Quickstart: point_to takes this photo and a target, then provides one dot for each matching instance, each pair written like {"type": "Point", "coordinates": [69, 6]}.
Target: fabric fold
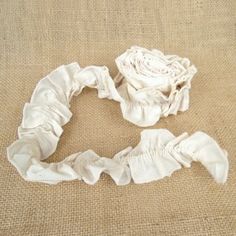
{"type": "Point", "coordinates": [201, 147]}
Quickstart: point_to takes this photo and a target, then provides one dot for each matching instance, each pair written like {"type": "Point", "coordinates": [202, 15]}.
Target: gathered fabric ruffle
{"type": "Point", "coordinates": [152, 85]}
{"type": "Point", "coordinates": [158, 154]}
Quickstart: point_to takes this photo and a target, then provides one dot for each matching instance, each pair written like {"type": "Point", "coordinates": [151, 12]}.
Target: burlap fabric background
{"type": "Point", "coordinates": [37, 36]}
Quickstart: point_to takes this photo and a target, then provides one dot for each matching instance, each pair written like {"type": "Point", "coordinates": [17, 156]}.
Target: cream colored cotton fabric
{"type": "Point", "coordinates": [158, 154]}
{"type": "Point", "coordinates": [37, 36]}
{"type": "Point", "coordinates": [153, 84]}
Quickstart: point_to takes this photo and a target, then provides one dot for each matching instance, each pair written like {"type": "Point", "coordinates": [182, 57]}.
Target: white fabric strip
{"type": "Point", "coordinates": [158, 154]}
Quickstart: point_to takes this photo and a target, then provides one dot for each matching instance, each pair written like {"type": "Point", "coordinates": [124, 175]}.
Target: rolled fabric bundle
{"type": "Point", "coordinates": [152, 84]}
{"type": "Point", "coordinates": [158, 154]}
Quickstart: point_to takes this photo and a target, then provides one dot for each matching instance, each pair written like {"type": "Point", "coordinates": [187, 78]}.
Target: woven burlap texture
{"type": "Point", "coordinates": [38, 36]}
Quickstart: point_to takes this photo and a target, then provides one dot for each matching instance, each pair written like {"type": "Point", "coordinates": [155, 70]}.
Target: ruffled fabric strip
{"type": "Point", "coordinates": [152, 85]}
{"type": "Point", "coordinates": [158, 154]}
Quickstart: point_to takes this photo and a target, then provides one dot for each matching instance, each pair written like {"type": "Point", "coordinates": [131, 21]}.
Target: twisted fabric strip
{"type": "Point", "coordinates": [158, 154]}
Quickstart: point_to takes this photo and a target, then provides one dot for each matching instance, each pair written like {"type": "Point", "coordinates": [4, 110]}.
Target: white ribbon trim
{"type": "Point", "coordinates": [152, 84]}
{"type": "Point", "coordinates": [158, 154]}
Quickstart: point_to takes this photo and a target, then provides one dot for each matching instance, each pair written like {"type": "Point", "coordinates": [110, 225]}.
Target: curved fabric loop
{"type": "Point", "coordinates": [158, 154]}
{"type": "Point", "coordinates": [152, 84]}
